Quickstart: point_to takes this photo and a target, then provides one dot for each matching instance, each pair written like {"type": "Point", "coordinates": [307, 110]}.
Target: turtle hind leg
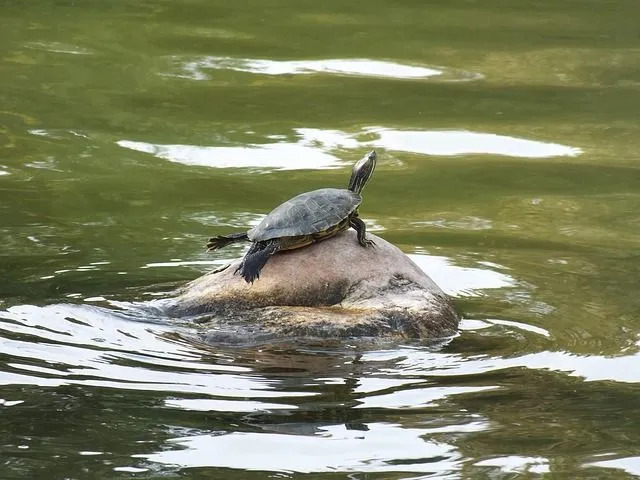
{"type": "Point", "coordinates": [223, 240]}
{"type": "Point", "coordinates": [358, 225]}
{"type": "Point", "coordinates": [256, 258]}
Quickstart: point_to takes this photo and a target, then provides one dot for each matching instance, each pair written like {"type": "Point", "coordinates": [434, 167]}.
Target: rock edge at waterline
{"type": "Point", "coordinates": [331, 289]}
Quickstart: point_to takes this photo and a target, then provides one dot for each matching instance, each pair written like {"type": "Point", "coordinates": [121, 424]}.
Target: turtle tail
{"type": "Point", "coordinates": [224, 240]}
{"type": "Point", "coordinates": [256, 258]}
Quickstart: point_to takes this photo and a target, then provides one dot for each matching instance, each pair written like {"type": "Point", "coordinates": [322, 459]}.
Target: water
{"type": "Point", "coordinates": [508, 145]}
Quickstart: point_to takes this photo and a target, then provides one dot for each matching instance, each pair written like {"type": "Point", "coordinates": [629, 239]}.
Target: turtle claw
{"type": "Point", "coordinates": [222, 268]}
{"type": "Point", "coordinates": [365, 242]}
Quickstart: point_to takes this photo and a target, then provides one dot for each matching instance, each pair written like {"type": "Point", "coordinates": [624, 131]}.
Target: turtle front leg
{"type": "Point", "coordinates": [358, 225]}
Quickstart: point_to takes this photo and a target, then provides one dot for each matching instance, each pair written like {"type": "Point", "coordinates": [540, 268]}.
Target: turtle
{"type": "Point", "coordinates": [306, 218]}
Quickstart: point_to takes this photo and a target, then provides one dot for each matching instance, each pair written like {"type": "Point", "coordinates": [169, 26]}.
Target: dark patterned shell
{"type": "Point", "coordinates": [308, 213]}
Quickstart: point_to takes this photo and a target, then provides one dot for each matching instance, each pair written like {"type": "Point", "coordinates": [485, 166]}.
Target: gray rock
{"type": "Point", "coordinates": [331, 289]}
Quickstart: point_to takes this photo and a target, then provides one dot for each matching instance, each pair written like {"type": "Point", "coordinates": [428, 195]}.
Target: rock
{"type": "Point", "coordinates": [334, 288]}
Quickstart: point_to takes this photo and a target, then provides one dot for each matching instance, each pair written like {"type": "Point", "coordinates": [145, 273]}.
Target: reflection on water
{"type": "Point", "coordinates": [87, 345]}
{"type": "Point", "coordinates": [374, 447]}
{"type": "Point", "coordinates": [590, 368]}
{"type": "Point", "coordinates": [57, 47]}
{"type": "Point", "coordinates": [489, 322]}
{"type": "Point", "coordinates": [517, 464]}
{"type": "Point", "coordinates": [631, 465]}
{"type": "Point", "coordinates": [284, 156]}
{"type": "Point", "coordinates": [460, 281]}
{"type": "Point", "coordinates": [184, 263]}
{"type": "Point", "coordinates": [311, 150]}
{"type": "Point", "coordinates": [462, 142]}
{"type": "Point", "coordinates": [464, 223]}
{"type": "Point", "coordinates": [357, 66]}
{"type": "Point", "coordinates": [235, 220]}
{"type": "Point", "coordinates": [210, 405]}
{"type": "Point", "coordinates": [269, 392]}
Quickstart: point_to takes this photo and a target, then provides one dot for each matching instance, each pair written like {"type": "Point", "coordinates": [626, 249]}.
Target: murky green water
{"type": "Point", "coordinates": [508, 140]}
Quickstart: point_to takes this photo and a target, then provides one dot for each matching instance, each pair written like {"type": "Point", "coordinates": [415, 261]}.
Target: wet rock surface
{"type": "Point", "coordinates": [332, 289]}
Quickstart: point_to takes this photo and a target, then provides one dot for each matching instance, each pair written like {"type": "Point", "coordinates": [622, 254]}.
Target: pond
{"type": "Point", "coordinates": [507, 136]}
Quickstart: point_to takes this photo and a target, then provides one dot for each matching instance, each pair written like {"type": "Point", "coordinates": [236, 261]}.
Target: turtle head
{"type": "Point", "coordinates": [362, 172]}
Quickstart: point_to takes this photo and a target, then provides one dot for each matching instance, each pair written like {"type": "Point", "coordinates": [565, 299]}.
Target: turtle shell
{"type": "Point", "coordinates": [307, 213]}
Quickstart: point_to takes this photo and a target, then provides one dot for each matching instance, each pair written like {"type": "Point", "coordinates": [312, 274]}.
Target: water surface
{"type": "Point", "coordinates": [508, 145]}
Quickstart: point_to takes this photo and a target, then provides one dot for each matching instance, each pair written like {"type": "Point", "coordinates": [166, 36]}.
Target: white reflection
{"type": "Point", "coordinates": [517, 464]}
{"type": "Point", "coordinates": [520, 325]}
{"type": "Point", "coordinates": [464, 223]}
{"type": "Point", "coordinates": [284, 156]}
{"type": "Point", "coordinates": [475, 324]}
{"type": "Point", "coordinates": [3, 172]}
{"type": "Point", "coordinates": [357, 66]}
{"type": "Point", "coordinates": [235, 220]}
{"type": "Point", "coordinates": [416, 397]}
{"type": "Point", "coordinates": [312, 148]}
{"type": "Point", "coordinates": [434, 142]}
{"type": "Point", "coordinates": [49, 163]}
{"type": "Point", "coordinates": [367, 385]}
{"type": "Point", "coordinates": [460, 142]}
{"type": "Point", "coordinates": [57, 134]}
{"type": "Point", "coordinates": [631, 465]}
{"type": "Point", "coordinates": [382, 448]}
{"type": "Point", "coordinates": [211, 405]}
{"type": "Point", "coordinates": [327, 139]}
{"type": "Point", "coordinates": [184, 263]}
{"type": "Point", "coordinates": [133, 470]}
{"type": "Point", "coordinates": [460, 281]}
{"type": "Point", "coordinates": [57, 47]}
{"type": "Point", "coordinates": [591, 368]}
{"type": "Point", "coordinates": [373, 226]}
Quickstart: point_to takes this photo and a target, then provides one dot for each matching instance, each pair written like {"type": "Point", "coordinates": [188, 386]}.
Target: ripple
{"type": "Point", "coordinates": [49, 163]}
{"type": "Point", "coordinates": [460, 281]}
{"type": "Point", "coordinates": [196, 69]}
{"type": "Point", "coordinates": [477, 324]}
{"type": "Point", "coordinates": [92, 346]}
{"type": "Point", "coordinates": [221, 219]}
{"type": "Point", "coordinates": [417, 397]}
{"type": "Point", "coordinates": [464, 223]}
{"type": "Point", "coordinates": [517, 464]}
{"type": "Point", "coordinates": [56, 134]}
{"type": "Point", "coordinates": [91, 267]}
{"type": "Point", "coordinates": [590, 368]}
{"type": "Point", "coordinates": [376, 447]}
{"type": "Point", "coordinates": [57, 47]}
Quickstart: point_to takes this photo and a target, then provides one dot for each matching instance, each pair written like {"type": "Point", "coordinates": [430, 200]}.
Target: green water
{"type": "Point", "coordinates": [508, 136]}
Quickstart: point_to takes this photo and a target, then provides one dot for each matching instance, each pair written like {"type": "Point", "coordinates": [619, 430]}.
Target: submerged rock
{"type": "Point", "coordinates": [334, 288]}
